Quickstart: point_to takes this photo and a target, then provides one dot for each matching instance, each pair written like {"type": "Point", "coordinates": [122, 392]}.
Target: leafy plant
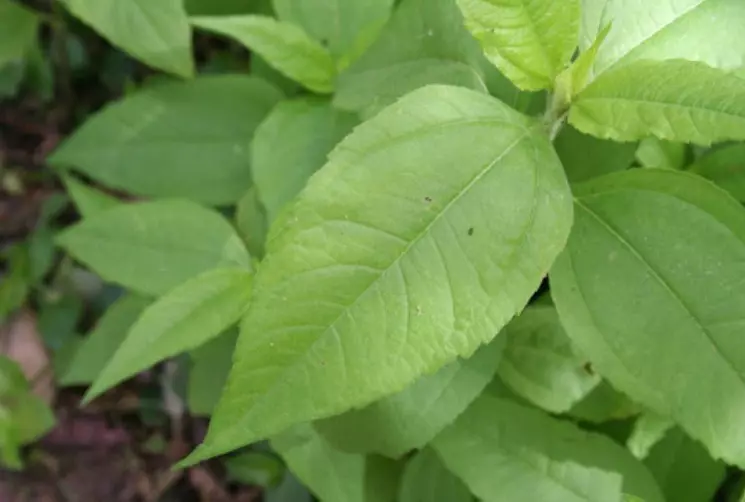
{"type": "Point", "coordinates": [496, 230]}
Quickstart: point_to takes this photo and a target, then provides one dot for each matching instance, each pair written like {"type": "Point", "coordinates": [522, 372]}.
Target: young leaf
{"type": "Point", "coordinates": [644, 246]}
{"type": "Point", "coordinates": [697, 30]}
{"type": "Point", "coordinates": [506, 451]}
{"type": "Point", "coordinates": [726, 167]}
{"type": "Point", "coordinates": [684, 469]}
{"type": "Point", "coordinates": [175, 139]}
{"type": "Point", "coordinates": [393, 263]}
{"type": "Point", "coordinates": [185, 318]}
{"type": "Point", "coordinates": [152, 247]}
{"type": "Point", "coordinates": [332, 475]}
{"type": "Point", "coordinates": [585, 157]}
{"type": "Point", "coordinates": [341, 25]}
{"type": "Point", "coordinates": [283, 45]}
{"type": "Point", "coordinates": [18, 30]}
{"type": "Point", "coordinates": [529, 41]}
{"type": "Point", "coordinates": [87, 199]}
{"type": "Point", "coordinates": [426, 479]}
{"type": "Point", "coordinates": [292, 144]}
{"type": "Point", "coordinates": [410, 419]}
{"type": "Point", "coordinates": [540, 364]}
{"type": "Point", "coordinates": [681, 101]}
{"type": "Point", "coordinates": [208, 372]}
{"type": "Point", "coordinates": [154, 31]}
{"type": "Point", "coordinates": [101, 344]}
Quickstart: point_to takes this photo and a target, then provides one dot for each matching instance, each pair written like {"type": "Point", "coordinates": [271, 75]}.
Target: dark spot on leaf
{"type": "Point", "coordinates": [428, 199]}
{"type": "Point", "coordinates": [470, 231]}
{"type": "Point", "coordinates": [589, 369]}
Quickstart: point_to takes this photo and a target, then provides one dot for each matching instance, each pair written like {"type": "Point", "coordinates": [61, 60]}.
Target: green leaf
{"type": "Point", "coordinates": [32, 418]}
{"type": "Point", "coordinates": [424, 42]}
{"type": "Point", "coordinates": [342, 293]}
{"type": "Point", "coordinates": [185, 318]}
{"type": "Point", "coordinates": [645, 245]}
{"type": "Point", "coordinates": [291, 144]}
{"type": "Point", "coordinates": [16, 283]}
{"type": "Point", "coordinates": [648, 430]}
{"type": "Point", "coordinates": [677, 100]}
{"type": "Point", "coordinates": [332, 475]}
{"type": "Point", "coordinates": [340, 24]}
{"type": "Point", "coordinates": [698, 30]}
{"type": "Point", "coordinates": [99, 345]}
{"type": "Point", "coordinates": [220, 7]}
{"type": "Point", "coordinates": [575, 78]}
{"type": "Point", "coordinates": [283, 45]}
{"type": "Point", "coordinates": [726, 167]}
{"type": "Point", "coordinates": [18, 29]}
{"type": "Point", "coordinates": [660, 154]}
{"type": "Point", "coordinates": [529, 41]}
{"type": "Point", "coordinates": [87, 199]}
{"type": "Point", "coordinates": [585, 157]}
{"type": "Point", "coordinates": [603, 404]}
{"type": "Point", "coordinates": [251, 222]}
{"type": "Point", "coordinates": [254, 468]}
{"type": "Point", "coordinates": [540, 364]}
{"type": "Point", "coordinates": [410, 419]}
{"type": "Point", "coordinates": [175, 139]}
{"type": "Point", "coordinates": [289, 490]}
{"type": "Point", "coordinates": [210, 364]}
{"type": "Point", "coordinates": [155, 32]}
{"type": "Point", "coordinates": [12, 380]}
{"type": "Point", "coordinates": [152, 247]}
{"type": "Point", "coordinates": [684, 469]}
{"type": "Point", "coordinates": [538, 457]}
{"type": "Point", "coordinates": [426, 479]}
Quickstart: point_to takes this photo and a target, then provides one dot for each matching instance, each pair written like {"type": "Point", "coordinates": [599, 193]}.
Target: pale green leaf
{"type": "Point", "coordinates": [708, 31]}
{"type": "Point", "coordinates": [175, 139]}
{"type": "Point", "coordinates": [332, 475]}
{"type": "Point", "coordinates": [645, 245]}
{"type": "Point", "coordinates": [584, 156]}
{"type": "Point", "coordinates": [410, 419]}
{"type": "Point", "coordinates": [392, 263]}
{"type": "Point", "coordinates": [540, 364]}
{"type": "Point", "coordinates": [681, 101]}
{"type": "Point", "coordinates": [152, 247]}
{"type": "Point", "coordinates": [251, 222]}
{"type": "Point", "coordinates": [283, 45]}
{"type": "Point", "coordinates": [661, 154]}
{"type": "Point", "coordinates": [649, 429]}
{"type": "Point", "coordinates": [154, 31]}
{"type": "Point", "coordinates": [18, 30]}
{"type": "Point", "coordinates": [725, 167]}
{"type": "Point", "coordinates": [529, 41]}
{"type": "Point", "coordinates": [506, 451]}
{"type": "Point", "coordinates": [577, 76]}
{"type": "Point", "coordinates": [425, 42]}
{"type": "Point", "coordinates": [684, 469]}
{"type": "Point", "coordinates": [592, 15]}
{"type": "Point", "coordinates": [210, 364]}
{"type": "Point", "coordinates": [426, 479]}
{"type": "Point", "coordinates": [338, 24]}
{"type": "Point", "coordinates": [99, 345]}
{"type": "Point", "coordinates": [87, 199]}
{"type": "Point", "coordinates": [185, 318]}
{"type": "Point", "coordinates": [290, 145]}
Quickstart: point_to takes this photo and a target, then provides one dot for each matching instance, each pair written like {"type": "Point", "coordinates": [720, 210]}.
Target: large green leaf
{"type": "Point", "coordinates": [506, 451]}
{"type": "Point", "coordinates": [530, 41]}
{"type": "Point", "coordinates": [152, 247]}
{"type": "Point", "coordinates": [410, 419]}
{"type": "Point", "coordinates": [175, 139]}
{"type": "Point", "coordinates": [726, 167]}
{"type": "Point", "coordinates": [88, 200]}
{"type": "Point", "coordinates": [210, 364]}
{"type": "Point", "coordinates": [185, 318]}
{"type": "Point", "coordinates": [334, 476]}
{"type": "Point", "coordinates": [283, 45]}
{"type": "Point", "coordinates": [699, 30]}
{"type": "Point", "coordinates": [292, 144]}
{"type": "Point", "coordinates": [341, 25]}
{"type": "Point", "coordinates": [677, 100]}
{"type": "Point", "coordinates": [540, 364]}
{"type": "Point", "coordinates": [18, 27]}
{"type": "Point", "coordinates": [425, 42]}
{"type": "Point", "coordinates": [154, 31]}
{"type": "Point", "coordinates": [392, 263]}
{"type": "Point", "coordinates": [629, 289]}
{"type": "Point", "coordinates": [585, 157]}
{"type": "Point", "coordinates": [684, 469]}
{"type": "Point", "coordinates": [426, 479]}
{"type": "Point", "coordinates": [101, 344]}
